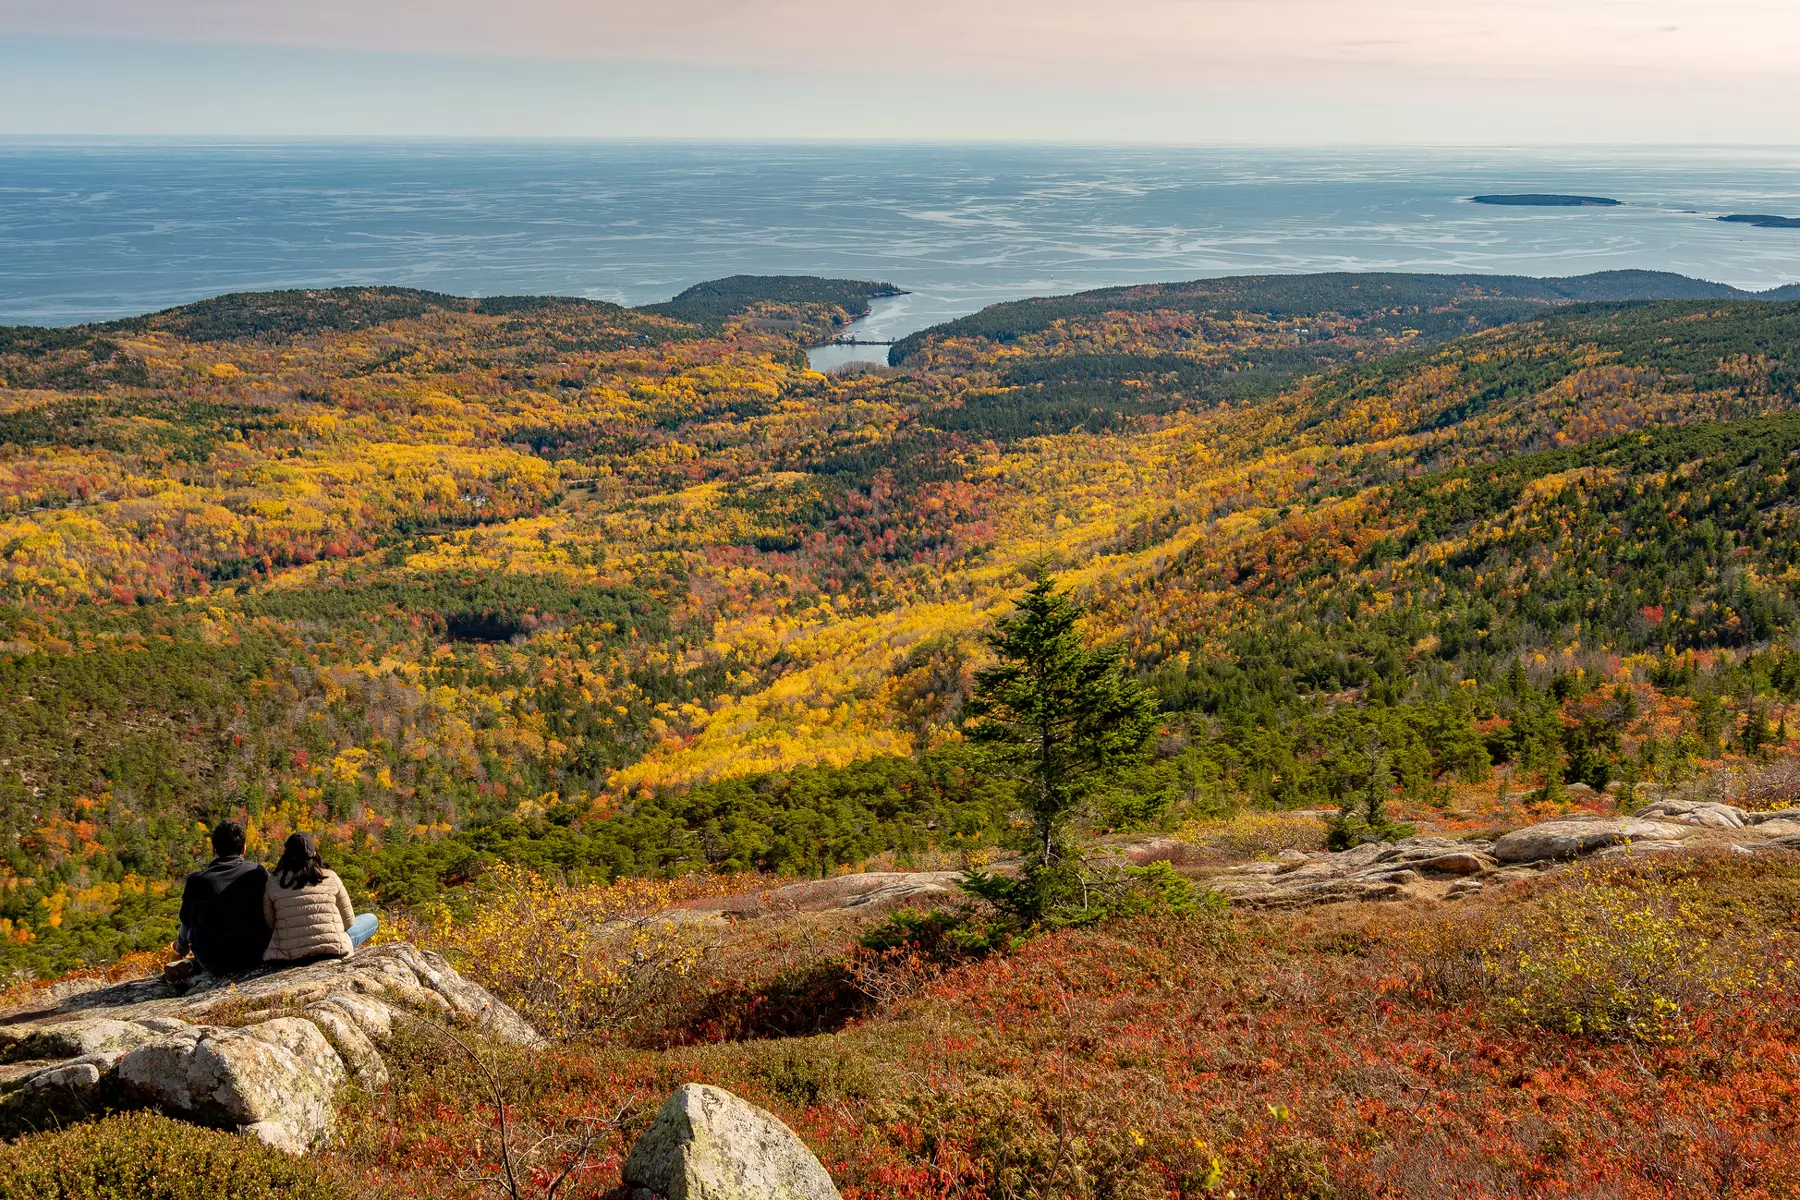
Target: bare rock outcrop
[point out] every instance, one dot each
(868, 893)
(264, 1053)
(1373, 871)
(1718, 815)
(1552, 841)
(1692, 812)
(707, 1144)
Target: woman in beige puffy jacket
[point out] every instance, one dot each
(307, 908)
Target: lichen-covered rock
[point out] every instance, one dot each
(74, 1077)
(232, 1053)
(371, 985)
(16, 1074)
(235, 1079)
(351, 1043)
(75, 1039)
(1556, 840)
(306, 1042)
(467, 999)
(707, 1144)
(1758, 819)
(868, 892)
(1460, 862)
(371, 1016)
(1635, 849)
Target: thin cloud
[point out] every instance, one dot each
(1050, 38)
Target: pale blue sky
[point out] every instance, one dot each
(1206, 71)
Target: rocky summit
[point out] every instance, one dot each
(264, 1054)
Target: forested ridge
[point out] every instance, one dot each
(614, 591)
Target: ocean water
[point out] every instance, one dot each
(98, 229)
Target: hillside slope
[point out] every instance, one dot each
(628, 591)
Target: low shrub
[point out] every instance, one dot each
(820, 1070)
(813, 996)
(1350, 830)
(1614, 954)
(1763, 786)
(946, 936)
(1023, 1141)
(592, 961)
(1072, 895)
(897, 958)
(142, 1156)
(1611, 961)
(1256, 834)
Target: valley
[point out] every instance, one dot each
(616, 591)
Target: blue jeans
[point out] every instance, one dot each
(363, 928)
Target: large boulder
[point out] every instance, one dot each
(707, 1144)
(264, 1053)
(1772, 815)
(1717, 815)
(1553, 841)
(373, 1018)
(245, 1079)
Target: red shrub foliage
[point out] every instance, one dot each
(1286, 1057)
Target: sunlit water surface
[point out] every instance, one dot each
(98, 229)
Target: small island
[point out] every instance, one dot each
(1540, 200)
(1763, 220)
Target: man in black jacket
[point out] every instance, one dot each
(222, 907)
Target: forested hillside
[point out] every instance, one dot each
(633, 591)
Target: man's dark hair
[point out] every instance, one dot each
(228, 839)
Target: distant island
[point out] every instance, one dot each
(1763, 220)
(1538, 200)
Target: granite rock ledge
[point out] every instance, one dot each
(265, 1054)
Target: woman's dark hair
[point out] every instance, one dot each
(300, 865)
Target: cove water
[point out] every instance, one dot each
(100, 228)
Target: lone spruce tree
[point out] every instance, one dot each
(1056, 716)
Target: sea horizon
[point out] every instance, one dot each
(99, 227)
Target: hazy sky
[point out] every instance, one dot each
(1454, 71)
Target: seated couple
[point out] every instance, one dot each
(236, 914)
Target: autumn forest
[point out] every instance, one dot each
(611, 592)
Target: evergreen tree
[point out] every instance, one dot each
(1056, 716)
